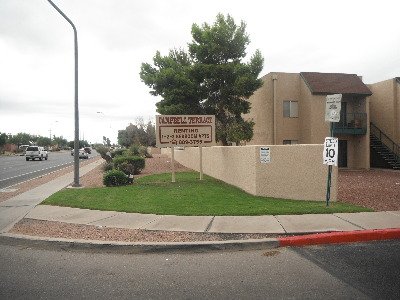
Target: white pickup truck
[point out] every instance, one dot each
(33, 152)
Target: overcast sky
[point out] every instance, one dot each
(116, 36)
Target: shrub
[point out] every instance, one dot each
(127, 152)
(127, 168)
(117, 152)
(137, 162)
(135, 150)
(147, 154)
(104, 151)
(142, 151)
(115, 178)
(108, 166)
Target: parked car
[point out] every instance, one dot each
(33, 152)
(88, 150)
(83, 154)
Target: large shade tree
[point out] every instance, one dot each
(211, 78)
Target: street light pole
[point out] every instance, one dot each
(100, 112)
(76, 140)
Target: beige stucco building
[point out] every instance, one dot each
(290, 109)
(385, 123)
(385, 107)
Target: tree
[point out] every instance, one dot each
(137, 134)
(60, 141)
(151, 134)
(173, 79)
(22, 138)
(43, 141)
(211, 79)
(106, 141)
(3, 139)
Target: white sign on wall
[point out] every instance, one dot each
(332, 108)
(331, 151)
(185, 130)
(265, 155)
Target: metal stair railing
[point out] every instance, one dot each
(385, 140)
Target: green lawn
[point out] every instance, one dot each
(156, 194)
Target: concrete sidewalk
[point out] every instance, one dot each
(282, 224)
(14, 209)
(26, 205)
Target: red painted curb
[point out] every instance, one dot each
(340, 237)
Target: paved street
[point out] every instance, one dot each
(15, 169)
(14, 209)
(351, 271)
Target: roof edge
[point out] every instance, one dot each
(309, 84)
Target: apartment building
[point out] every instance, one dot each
(290, 109)
(385, 101)
(385, 123)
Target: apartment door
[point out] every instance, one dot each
(342, 155)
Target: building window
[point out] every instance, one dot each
(290, 109)
(290, 142)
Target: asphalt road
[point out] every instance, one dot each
(15, 169)
(352, 271)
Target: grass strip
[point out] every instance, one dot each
(188, 196)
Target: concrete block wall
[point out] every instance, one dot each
(295, 172)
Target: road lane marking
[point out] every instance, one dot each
(35, 171)
(10, 186)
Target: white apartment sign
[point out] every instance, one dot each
(332, 109)
(185, 130)
(331, 151)
(265, 155)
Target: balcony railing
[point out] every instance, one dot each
(351, 123)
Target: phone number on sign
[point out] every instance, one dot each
(190, 142)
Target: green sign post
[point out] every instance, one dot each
(332, 114)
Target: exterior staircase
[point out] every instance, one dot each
(384, 152)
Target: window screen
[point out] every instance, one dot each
(290, 109)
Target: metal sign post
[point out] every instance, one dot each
(173, 163)
(332, 114)
(201, 162)
(330, 159)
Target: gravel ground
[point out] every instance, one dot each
(90, 232)
(376, 189)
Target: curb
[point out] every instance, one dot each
(62, 244)
(137, 247)
(340, 237)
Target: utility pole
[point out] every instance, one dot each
(76, 141)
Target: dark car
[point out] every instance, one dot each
(88, 150)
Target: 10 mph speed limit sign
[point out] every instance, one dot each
(331, 151)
